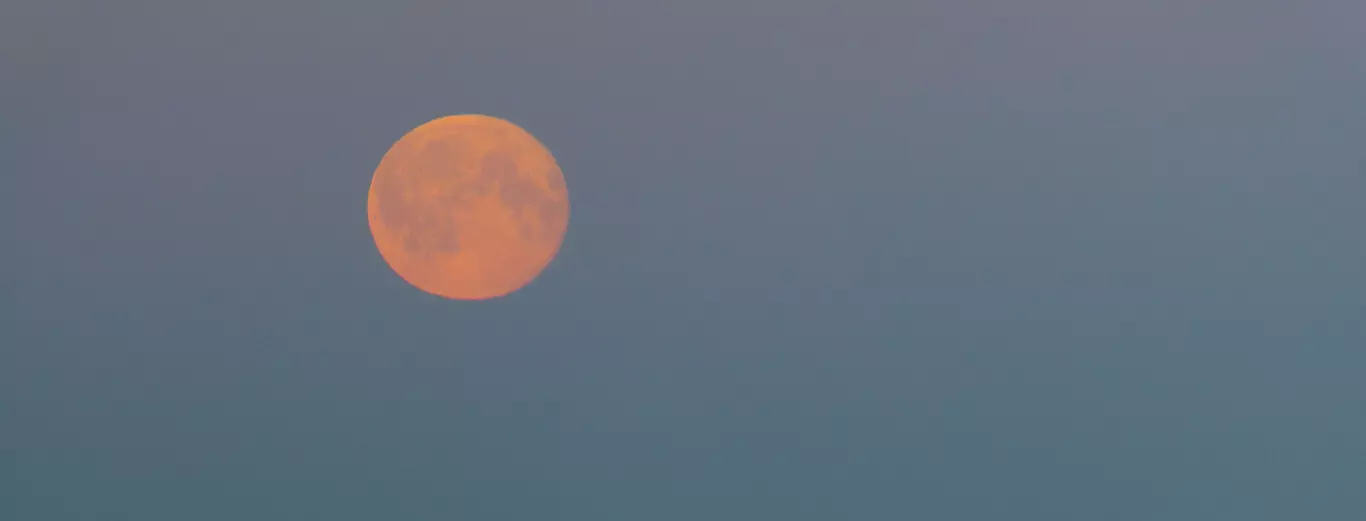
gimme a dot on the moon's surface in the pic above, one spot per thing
(468, 207)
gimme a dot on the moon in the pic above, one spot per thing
(468, 207)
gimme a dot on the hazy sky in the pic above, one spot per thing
(856, 260)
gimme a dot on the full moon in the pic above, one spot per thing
(468, 207)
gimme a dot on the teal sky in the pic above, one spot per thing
(1048, 259)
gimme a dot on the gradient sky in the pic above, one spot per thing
(863, 260)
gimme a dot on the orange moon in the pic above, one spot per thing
(468, 207)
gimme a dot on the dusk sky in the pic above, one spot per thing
(1094, 260)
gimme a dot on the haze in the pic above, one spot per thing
(1056, 259)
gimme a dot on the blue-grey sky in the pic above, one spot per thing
(865, 260)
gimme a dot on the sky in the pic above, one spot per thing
(866, 260)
